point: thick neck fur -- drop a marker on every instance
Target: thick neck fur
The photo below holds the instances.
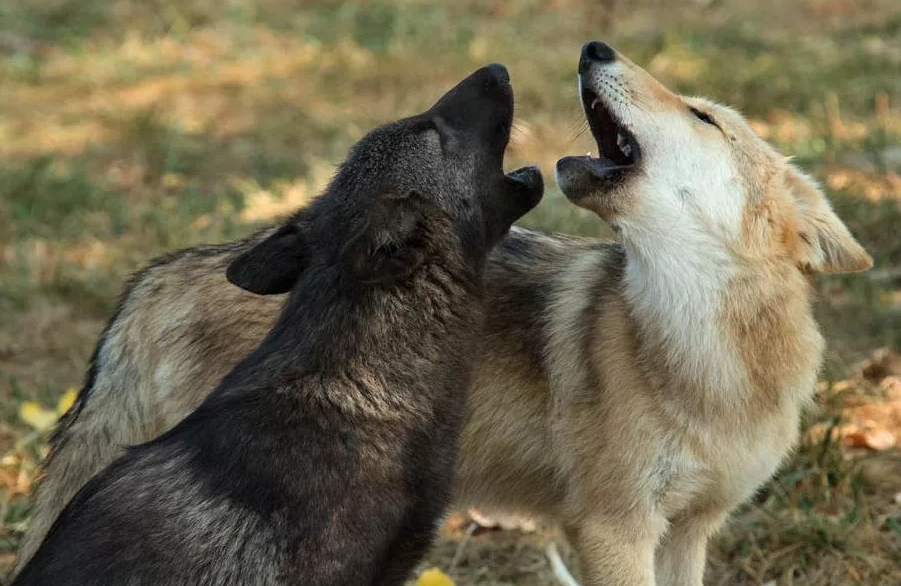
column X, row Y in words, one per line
column 705, row 323
column 367, row 350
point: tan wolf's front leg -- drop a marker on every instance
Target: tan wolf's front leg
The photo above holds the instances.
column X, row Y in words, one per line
column 612, row 554
column 682, row 553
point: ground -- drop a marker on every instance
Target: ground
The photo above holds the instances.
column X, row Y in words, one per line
column 129, row 128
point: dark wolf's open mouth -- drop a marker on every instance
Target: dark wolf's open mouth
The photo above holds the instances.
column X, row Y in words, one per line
column 618, row 149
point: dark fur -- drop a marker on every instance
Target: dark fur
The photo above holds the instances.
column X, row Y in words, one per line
column 326, row 456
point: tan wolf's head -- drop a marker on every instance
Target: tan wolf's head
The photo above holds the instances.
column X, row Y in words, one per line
column 688, row 173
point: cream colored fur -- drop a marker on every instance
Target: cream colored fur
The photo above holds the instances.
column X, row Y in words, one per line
column 709, row 352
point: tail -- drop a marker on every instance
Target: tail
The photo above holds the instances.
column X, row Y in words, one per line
column 83, row 442
column 81, row 445
column 73, row 464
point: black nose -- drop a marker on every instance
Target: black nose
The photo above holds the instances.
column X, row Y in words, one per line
column 498, row 72
column 595, row 52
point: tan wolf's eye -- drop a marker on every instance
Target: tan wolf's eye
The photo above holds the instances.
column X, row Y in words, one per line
column 704, row 117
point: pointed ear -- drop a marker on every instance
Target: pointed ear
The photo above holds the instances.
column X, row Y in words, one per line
column 826, row 244
column 394, row 241
column 274, row 265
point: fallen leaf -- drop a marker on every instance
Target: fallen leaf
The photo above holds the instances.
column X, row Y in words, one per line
column 36, row 416
column 41, row 418
column 891, row 386
column 66, row 401
column 881, row 364
column 434, row 577
column 879, row 439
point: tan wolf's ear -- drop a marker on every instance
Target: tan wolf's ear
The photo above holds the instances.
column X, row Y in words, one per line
column 826, row 244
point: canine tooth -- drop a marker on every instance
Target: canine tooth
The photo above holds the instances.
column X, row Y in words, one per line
column 595, row 102
column 623, row 143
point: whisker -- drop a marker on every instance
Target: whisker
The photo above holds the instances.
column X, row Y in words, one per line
column 577, row 130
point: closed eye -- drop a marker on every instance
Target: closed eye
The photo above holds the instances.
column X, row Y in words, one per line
column 704, row 117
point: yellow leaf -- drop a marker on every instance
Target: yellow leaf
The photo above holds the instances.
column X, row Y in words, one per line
column 478, row 49
column 66, row 401
column 36, row 416
column 434, row 577
column 173, row 180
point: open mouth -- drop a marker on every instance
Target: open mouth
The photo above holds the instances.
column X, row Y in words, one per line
column 618, row 149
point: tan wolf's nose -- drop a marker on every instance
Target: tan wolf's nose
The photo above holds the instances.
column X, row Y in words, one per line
column 595, row 52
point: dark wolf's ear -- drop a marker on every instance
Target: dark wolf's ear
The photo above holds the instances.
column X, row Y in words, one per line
column 273, row 266
column 826, row 244
column 394, row 242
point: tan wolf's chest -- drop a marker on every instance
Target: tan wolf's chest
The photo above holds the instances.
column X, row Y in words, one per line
column 721, row 465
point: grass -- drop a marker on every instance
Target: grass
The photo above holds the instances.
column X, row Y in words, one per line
column 128, row 129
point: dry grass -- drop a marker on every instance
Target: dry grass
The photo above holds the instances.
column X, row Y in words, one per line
column 129, row 128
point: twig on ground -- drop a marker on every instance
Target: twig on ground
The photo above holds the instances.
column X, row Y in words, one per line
column 559, row 568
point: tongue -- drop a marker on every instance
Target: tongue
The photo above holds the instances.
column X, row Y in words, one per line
column 600, row 166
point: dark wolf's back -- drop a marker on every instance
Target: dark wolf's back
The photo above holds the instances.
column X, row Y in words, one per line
column 181, row 326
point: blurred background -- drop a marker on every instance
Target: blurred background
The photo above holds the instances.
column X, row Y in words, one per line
column 130, row 128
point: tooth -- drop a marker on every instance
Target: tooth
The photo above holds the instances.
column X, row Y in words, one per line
column 623, row 143
column 595, row 102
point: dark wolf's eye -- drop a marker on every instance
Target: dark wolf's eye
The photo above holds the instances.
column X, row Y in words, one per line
column 704, row 117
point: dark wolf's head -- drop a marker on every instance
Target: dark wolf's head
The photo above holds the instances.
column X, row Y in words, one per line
column 426, row 186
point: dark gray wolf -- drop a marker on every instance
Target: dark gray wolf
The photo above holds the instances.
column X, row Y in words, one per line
column 326, row 455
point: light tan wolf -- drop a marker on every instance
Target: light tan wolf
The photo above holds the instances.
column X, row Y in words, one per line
column 633, row 392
